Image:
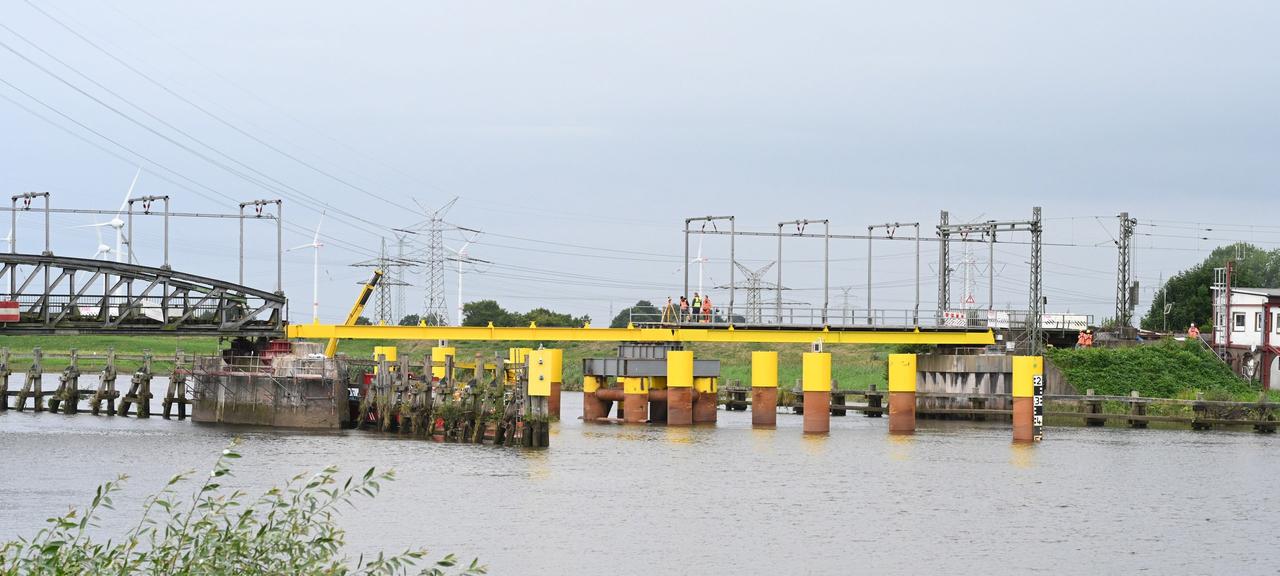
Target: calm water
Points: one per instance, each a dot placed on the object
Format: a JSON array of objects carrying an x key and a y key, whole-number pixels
[{"x": 954, "y": 498}]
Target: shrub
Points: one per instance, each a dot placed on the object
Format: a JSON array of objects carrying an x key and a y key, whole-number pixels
[{"x": 287, "y": 530}]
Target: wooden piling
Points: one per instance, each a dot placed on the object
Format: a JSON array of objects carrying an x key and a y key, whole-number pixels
[
  {"x": 139, "y": 389},
  {"x": 1137, "y": 407},
  {"x": 1093, "y": 406},
  {"x": 106, "y": 391},
  {"x": 32, "y": 387},
  {"x": 5, "y": 373}
]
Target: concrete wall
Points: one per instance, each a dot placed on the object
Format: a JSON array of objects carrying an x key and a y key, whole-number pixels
[
  {"x": 975, "y": 374},
  {"x": 269, "y": 401}
]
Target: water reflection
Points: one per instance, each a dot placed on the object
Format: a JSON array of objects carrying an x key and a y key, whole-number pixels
[{"x": 725, "y": 499}]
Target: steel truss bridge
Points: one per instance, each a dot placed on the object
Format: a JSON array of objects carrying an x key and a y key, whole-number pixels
[{"x": 61, "y": 295}]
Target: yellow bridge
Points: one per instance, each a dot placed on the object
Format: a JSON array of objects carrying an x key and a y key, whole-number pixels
[{"x": 955, "y": 337}]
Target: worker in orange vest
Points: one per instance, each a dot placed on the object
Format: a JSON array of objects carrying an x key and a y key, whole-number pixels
[
  {"x": 1088, "y": 338},
  {"x": 1193, "y": 332}
]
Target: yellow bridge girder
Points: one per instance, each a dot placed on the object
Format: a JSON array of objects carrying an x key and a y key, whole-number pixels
[{"x": 632, "y": 334}]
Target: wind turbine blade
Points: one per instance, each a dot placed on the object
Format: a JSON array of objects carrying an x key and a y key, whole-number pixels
[
  {"x": 316, "y": 240},
  {"x": 299, "y": 247},
  {"x": 129, "y": 194},
  {"x": 98, "y": 225}
]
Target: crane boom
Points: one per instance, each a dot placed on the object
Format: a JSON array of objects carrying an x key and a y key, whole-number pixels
[{"x": 365, "y": 292}]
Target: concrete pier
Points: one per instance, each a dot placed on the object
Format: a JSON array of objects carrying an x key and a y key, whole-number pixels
[
  {"x": 816, "y": 386},
  {"x": 679, "y": 388},
  {"x": 764, "y": 389},
  {"x": 902, "y": 393}
]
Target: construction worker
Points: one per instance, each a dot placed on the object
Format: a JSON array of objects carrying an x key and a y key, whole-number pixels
[
  {"x": 1080, "y": 339},
  {"x": 1193, "y": 333},
  {"x": 706, "y": 309},
  {"x": 684, "y": 308},
  {"x": 697, "y": 305},
  {"x": 1088, "y": 338}
]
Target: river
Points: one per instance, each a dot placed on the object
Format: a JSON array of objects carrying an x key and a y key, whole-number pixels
[{"x": 955, "y": 498}]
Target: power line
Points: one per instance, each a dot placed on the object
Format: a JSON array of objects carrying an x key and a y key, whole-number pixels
[{"x": 211, "y": 114}]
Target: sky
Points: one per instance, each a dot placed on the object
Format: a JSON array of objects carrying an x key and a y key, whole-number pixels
[{"x": 578, "y": 136}]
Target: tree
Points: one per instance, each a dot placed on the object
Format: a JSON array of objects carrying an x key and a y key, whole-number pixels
[
  {"x": 643, "y": 311},
  {"x": 484, "y": 312},
  {"x": 363, "y": 321},
  {"x": 544, "y": 317},
  {"x": 410, "y": 320},
  {"x": 1189, "y": 295}
]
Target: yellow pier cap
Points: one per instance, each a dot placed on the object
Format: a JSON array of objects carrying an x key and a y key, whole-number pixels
[
  {"x": 902, "y": 372},
  {"x": 591, "y": 383},
  {"x": 956, "y": 337},
  {"x": 764, "y": 369},
  {"x": 387, "y": 351},
  {"x": 1025, "y": 369},
  {"x": 706, "y": 385},
  {"x": 680, "y": 369},
  {"x": 816, "y": 374},
  {"x": 632, "y": 385}
]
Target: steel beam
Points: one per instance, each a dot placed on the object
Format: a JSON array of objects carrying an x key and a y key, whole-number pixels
[{"x": 496, "y": 334}]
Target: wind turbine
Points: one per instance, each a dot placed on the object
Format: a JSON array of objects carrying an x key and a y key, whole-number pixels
[
  {"x": 103, "y": 249},
  {"x": 117, "y": 224},
  {"x": 315, "y": 282},
  {"x": 700, "y": 259}
]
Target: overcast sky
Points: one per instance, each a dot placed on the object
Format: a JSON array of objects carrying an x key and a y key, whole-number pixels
[{"x": 579, "y": 135}]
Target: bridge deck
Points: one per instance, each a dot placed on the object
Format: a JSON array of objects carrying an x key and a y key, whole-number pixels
[{"x": 787, "y": 335}]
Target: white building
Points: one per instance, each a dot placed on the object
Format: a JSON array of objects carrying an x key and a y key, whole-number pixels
[{"x": 1247, "y": 327}]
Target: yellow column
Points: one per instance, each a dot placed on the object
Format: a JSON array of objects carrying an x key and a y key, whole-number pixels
[
  {"x": 635, "y": 403},
  {"x": 438, "y": 354},
  {"x": 764, "y": 389},
  {"x": 555, "y": 360},
  {"x": 539, "y": 373},
  {"x": 816, "y": 384},
  {"x": 1028, "y": 398},
  {"x": 902, "y": 393},
  {"x": 679, "y": 388},
  {"x": 706, "y": 399}
]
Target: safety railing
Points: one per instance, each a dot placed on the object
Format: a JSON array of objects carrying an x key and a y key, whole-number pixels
[{"x": 816, "y": 317}]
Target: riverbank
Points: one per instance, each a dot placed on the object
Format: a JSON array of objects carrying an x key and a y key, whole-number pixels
[{"x": 1165, "y": 369}]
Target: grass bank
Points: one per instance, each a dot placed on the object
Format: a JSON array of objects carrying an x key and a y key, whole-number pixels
[{"x": 1165, "y": 369}]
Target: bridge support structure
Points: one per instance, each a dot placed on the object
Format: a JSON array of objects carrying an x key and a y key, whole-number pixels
[
  {"x": 764, "y": 389},
  {"x": 816, "y": 385},
  {"x": 1028, "y": 398},
  {"x": 902, "y": 393}
]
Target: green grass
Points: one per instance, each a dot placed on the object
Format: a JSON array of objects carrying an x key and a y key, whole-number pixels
[
  {"x": 853, "y": 367},
  {"x": 1167, "y": 369},
  {"x": 162, "y": 349}
]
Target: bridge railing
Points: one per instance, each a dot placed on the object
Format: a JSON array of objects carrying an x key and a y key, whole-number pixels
[{"x": 816, "y": 317}]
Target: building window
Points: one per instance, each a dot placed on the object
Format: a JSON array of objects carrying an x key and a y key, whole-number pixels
[
  {"x": 1257, "y": 322},
  {"x": 1276, "y": 323},
  {"x": 1237, "y": 324}
]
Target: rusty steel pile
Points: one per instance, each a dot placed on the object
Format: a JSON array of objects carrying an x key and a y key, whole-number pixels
[{"x": 508, "y": 401}]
